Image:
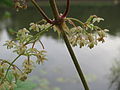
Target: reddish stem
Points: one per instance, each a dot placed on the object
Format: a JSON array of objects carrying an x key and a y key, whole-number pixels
[{"x": 67, "y": 9}]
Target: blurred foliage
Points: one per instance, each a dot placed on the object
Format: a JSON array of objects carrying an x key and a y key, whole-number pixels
[
  {"x": 27, "y": 85},
  {"x": 7, "y": 15},
  {"x": 20, "y": 85},
  {"x": 6, "y": 2}
]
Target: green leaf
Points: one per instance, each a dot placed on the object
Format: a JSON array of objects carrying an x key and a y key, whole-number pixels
[
  {"x": 27, "y": 85},
  {"x": 6, "y": 2},
  {"x": 10, "y": 76}
]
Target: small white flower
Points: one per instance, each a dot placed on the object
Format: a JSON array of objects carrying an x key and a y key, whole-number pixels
[
  {"x": 22, "y": 31},
  {"x": 98, "y": 19},
  {"x": 10, "y": 44},
  {"x": 35, "y": 27}
]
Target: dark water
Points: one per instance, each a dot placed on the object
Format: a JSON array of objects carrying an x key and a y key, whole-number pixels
[{"x": 58, "y": 73}]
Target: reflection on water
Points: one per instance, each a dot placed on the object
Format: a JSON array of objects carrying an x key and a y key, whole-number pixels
[
  {"x": 59, "y": 71},
  {"x": 115, "y": 74}
]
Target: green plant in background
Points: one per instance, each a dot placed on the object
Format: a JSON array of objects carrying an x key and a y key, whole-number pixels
[
  {"x": 6, "y": 2},
  {"x": 81, "y": 34},
  {"x": 19, "y": 85}
]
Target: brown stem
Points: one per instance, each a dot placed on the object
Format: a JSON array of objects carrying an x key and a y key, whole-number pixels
[
  {"x": 42, "y": 44},
  {"x": 41, "y": 11},
  {"x": 28, "y": 60},
  {"x": 54, "y": 9},
  {"x": 67, "y": 9},
  {"x": 33, "y": 44}
]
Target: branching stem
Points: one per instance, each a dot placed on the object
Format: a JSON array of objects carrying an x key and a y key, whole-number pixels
[
  {"x": 61, "y": 27},
  {"x": 9, "y": 68},
  {"x": 37, "y": 35}
]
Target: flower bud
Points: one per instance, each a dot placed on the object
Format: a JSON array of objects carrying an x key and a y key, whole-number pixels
[
  {"x": 91, "y": 45},
  {"x": 23, "y": 77},
  {"x": 90, "y": 37}
]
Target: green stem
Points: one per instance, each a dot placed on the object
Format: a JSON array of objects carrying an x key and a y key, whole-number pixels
[
  {"x": 9, "y": 68},
  {"x": 74, "y": 19},
  {"x": 75, "y": 61}
]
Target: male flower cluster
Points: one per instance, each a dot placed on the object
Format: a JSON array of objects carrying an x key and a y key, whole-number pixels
[
  {"x": 88, "y": 33},
  {"x": 24, "y": 38}
]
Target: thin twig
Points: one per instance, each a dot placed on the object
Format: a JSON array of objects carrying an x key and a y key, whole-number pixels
[
  {"x": 74, "y": 19},
  {"x": 33, "y": 44},
  {"x": 41, "y": 11},
  {"x": 18, "y": 68},
  {"x": 42, "y": 44}
]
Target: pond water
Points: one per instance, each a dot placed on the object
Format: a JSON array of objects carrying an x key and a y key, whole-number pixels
[{"x": 58, "y": 73}]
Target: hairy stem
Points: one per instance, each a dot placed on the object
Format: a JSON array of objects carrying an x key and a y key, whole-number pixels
[{"x": 41, "y": 11}]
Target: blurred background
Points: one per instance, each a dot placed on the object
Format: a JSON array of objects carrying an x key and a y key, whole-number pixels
[{"x": 101, "y": 64}]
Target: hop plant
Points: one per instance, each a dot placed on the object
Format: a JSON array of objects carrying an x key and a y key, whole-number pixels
[
  {"x": 88, "y": 34},
  {"x": 20, "y": 46},
  {"x": 85, "y": 34}
]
